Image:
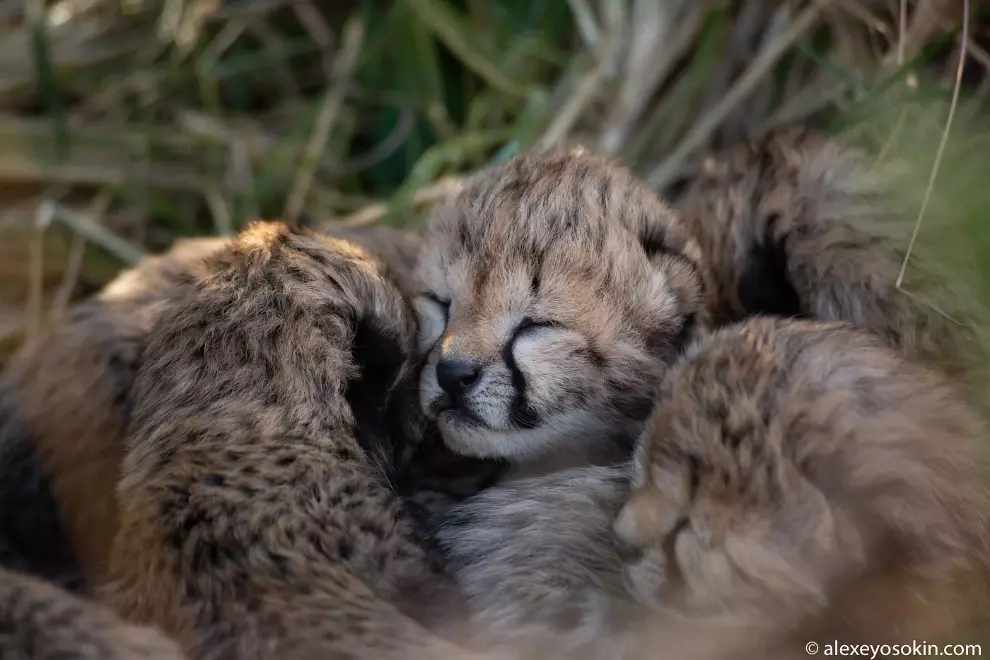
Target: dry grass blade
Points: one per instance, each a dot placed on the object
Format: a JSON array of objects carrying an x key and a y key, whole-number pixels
[
  {"x": 329, "y": 112},
  {"x": 122, "y": 249},
  {"x": 760, "y": 68},
  {"x": 963, "y": 41},
  {"x": 423, "y": 197},
  {"x": 42, "y": 220}
]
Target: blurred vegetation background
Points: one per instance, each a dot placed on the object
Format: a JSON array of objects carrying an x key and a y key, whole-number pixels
[{"x": 127, "y": 123}]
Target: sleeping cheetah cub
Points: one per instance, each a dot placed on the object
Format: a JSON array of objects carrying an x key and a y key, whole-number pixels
[
  {"x": 795, "y": 468},
  {"x": 556, "y": 290},
  {"x": 800, "y": 225},
  {"x": 549, "y": 532},
  {"x": 40, "y": 621},
  {"x": 795, "y": 474},
  {"x": 256, "y": 514}
]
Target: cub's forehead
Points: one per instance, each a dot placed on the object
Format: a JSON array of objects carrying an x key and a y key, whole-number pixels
[
  {"x": 537, "y": 202},
  {"x": 533, "y": 201}
]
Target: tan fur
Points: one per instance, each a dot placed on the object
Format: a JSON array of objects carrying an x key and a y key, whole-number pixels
[
  {"x": 42, "y": 622},
  {"x": 567, "y": 287},
  {"x": 256, "y": 514},
  {"x": 798, "y": 481},
  {"x": 796, "y": 223},
  {"x": 65, "y": 399},
  {"x": 69, "y": 392},
  {"x": 796, "y": 468}
]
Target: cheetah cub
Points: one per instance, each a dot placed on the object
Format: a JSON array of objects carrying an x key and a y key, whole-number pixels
[
  {"x": 797, "y": 224},
  {"x": 256, "y": 513},
  {"x": 797, "y": 468},
  {"x": 794, "y": 473},
  {"x": 65, "y": 404},
  {"x": 556, "y": 290},
  {"x": 39, "y": 620}
]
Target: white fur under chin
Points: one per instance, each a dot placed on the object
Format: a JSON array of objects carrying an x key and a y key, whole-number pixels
[{"x": 575, "y": 440}]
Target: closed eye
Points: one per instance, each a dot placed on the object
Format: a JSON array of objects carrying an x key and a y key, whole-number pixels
[
  {"x": 439, "y": 302},
  {"x": 434, "y": 315},
  {"x": 531, "y": 324}
]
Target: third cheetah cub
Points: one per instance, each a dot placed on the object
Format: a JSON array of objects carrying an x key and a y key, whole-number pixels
[
  {"x": 801, "y": 225},
  {"x": 556, "y": 290},
  {"x": 790, "y": 464}
]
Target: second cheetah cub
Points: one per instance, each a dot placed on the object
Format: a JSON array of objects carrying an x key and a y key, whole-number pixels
[
  {"x": 257, "y": 517},
  {"x": 791, "y": 467},
  {"x": 556, "y": 290}
]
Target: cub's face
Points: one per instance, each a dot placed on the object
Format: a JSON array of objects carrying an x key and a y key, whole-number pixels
[{"x": 556, "y": 289}]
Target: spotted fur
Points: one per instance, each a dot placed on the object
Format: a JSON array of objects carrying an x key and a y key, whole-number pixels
[
  {"x": 65, "y": 402},
  {"x": 797, "y": 224},
  {"x": 799, "y": 469},
  {"x": 796, "y": 474},
  {"x": 556, "y": 289},
  {"x": 256, "y": 513},
  {"x": 40, "y": 621}
]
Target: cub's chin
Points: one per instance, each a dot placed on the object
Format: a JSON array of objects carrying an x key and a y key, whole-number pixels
[{"x": 561, "y": 444}]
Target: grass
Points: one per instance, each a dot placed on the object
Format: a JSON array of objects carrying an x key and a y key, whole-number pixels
[{"x": 127, "y": 123}]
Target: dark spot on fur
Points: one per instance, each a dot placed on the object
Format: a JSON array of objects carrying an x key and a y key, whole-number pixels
[
  {"x": 521, "y": 413},
  {"x": 343, "y": 454},
  {"x": 764, "y": 283},
  {"x": 654, "y": 242},
  {"x": 379, "y": 357},
  {"x": 603, "y": 194},
  {"x": 694, "y": 476},
  {"x": 345, "y": 550},
  {"x": 216, "y": 480},
  {"x": 537, "y": 273},
  {"x": 206, "y": 556},
  {"x": 635, "y": 406},
  {"x": 372, "y": 530},
  {"x": 189, "y": 520},
  {"x": 684, "y": 335},
  {"x": 281, "y": 563}
]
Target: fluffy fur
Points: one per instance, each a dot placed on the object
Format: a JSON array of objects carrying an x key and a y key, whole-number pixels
[
  {"x": 556, "y": 289},
  {"x": 256, "y": 513},
  {"x": 797, "y": 224},
  {"x": 795, "y": 474},
  {"x": 792, "y": 225},
  {"x": 65, "y": 402},
  {"x": 40, "y": 621},
  {"x": 790, "y": 464},
  {"x": 536, "y": 561}
]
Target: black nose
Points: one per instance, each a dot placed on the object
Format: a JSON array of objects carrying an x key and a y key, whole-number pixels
[{"x": 456, "y": 376}]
